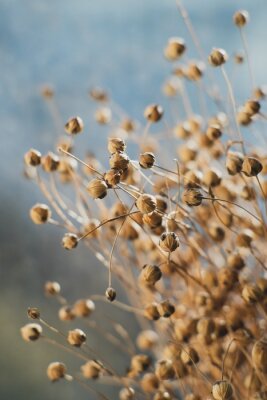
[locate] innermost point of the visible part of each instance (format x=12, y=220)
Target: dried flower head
x=70, y=241
x=97, y=188
x=241, y=18
x=74, y=125
x=40, y=213
x=31, y=332
x=153, y=113
x=56, y=370
x=32, y=158
x=217, y=57
x=76, y=337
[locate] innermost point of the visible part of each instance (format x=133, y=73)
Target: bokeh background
x=74, y=45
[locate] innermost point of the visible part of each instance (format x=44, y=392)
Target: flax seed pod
x=76, y=337
x=98, y=94
x=216, y=232
x=69, y=241
x=32, y=158
x=212, y=178
x=40, y=213
x=149, y=382
x=188, y=152
x=90, y=225
x=91, y=370
x=189, y=356
x=169, y=242
x=166, y=309
x=103, y=115
x=112, y=178
x=192, y=179
x=251, y=166
x=260, y=92
x=222, y=390
x=146, y=203
x=161, y=204
x=162, y=395
x=235, y=261
x=241, y=18
x=129, y=231
x=116, y=145
x=262, y=285
x=183, y=131
x=97, y=188
x=252, y=107
x=153, y=220
x=50, y=162
x=146, y=160
x=127, y=125
x=153, y=113
x=259, y=356
x=243, y=118
x=150, y=274
x=169, y=89
x=234, y=162
x=227, y=278
x=147, y=340
x=151, y=312
x=195, y=70
x=127, y=393
x=31, y=332
x=33, y=313
x=56, y=371
x=214, y=132
x=251, y=294
x=83, y=308
x=74, y=126
x=217, y=57
x=239, y=58
x=164, y=370
x=119, y=161
x=110, y=294
x=245, y=238
x=140, y=363
x=248, y=193
x=192, y=197
x=192, y=396
x=206, y=326
x=175, y=48
x=65, y=313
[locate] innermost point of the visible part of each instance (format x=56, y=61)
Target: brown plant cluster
x=181, y=223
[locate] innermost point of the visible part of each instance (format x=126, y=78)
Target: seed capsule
x=111, y=294
x=149, y=382
x=116, y=145
x=146, y=160
x=252, y=107
x=164, y=370
x=140, y=363
x=50, y=162
x=251, y=166
x=212, y=178
x=245, y=238
x=222, y=390
x=56, y=371
x=150, y=274
x=162, y=395
x=241, y=18
x=76, y=337
x=74, y=126
x=97, y=188
x=112, y=177
x=32, y=158
x=251, y=294
x=98, y=94
x=169, y=241
x=146, y=203
x=195, y=70
x=235, y=261
x=259, y=355
x=65, y=313
x=214, y=132
x=119, y=161
x=151, y=312
x=103, y=115
x=31, y=332
x=217, y=57
x=192, y=197
x=33, y=313
x=146, y=340
x=166, y=309
x=234, y=162
x=189, y=356
x=70, y=241
x=175, y=48
x=83, y=308
x=40, y=213
x=153, y=112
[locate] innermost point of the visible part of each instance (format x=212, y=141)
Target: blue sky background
x=74, y=45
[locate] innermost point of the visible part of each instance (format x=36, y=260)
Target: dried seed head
x=146, y=203
x=153, y=220
x=33, y=313
x=162, y=395
x=127, y=393
x=50, y=162
x=189, y=356
x=169, y=241
x=166, y=309
x=119, y=161
x=217, y=57
x=151, y=312
x=111, y=294
x=248, y=193
x=234, y=161
x=74, y=125
x=76, y=337
x=222, y=390
x=252, y=107
x=188, y=152
x=192, y=396
x=262, y=285
x=31, y=332
x=69, y=241
x=52, y=288
x=112, y=177
x=241, y=18
x=214, y=131
x=103, y=115
x=227, y=278
x=146, y=340
x=116, y=145
x=32, y=158
x=260, y=93
x=56, y=371
x=175, y=48
x=97, y=188
x=40, y=213
x=212, y=178
x=153, y=112
x=149, y=382
x=243, y=118
x=251, y=294
x=251, y=166
x=83, y=308
x=192, y=179
x=235, y=261
x=170, y=89
x=150, y=274
x=192, y=197
x=239, y=58
x=206, y=326
x=91, y=370
x=161, y=203
x=47, y=92
x=164, y=370
x=98, y=94
x=195, y=70
x=259, y=355
x=91, y=224
x=128, y=125
x=216, y=232
x=65, y=313
x=244, y=239
x=146, y=160
x=140, y=363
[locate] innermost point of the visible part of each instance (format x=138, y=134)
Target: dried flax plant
x=184, y=233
